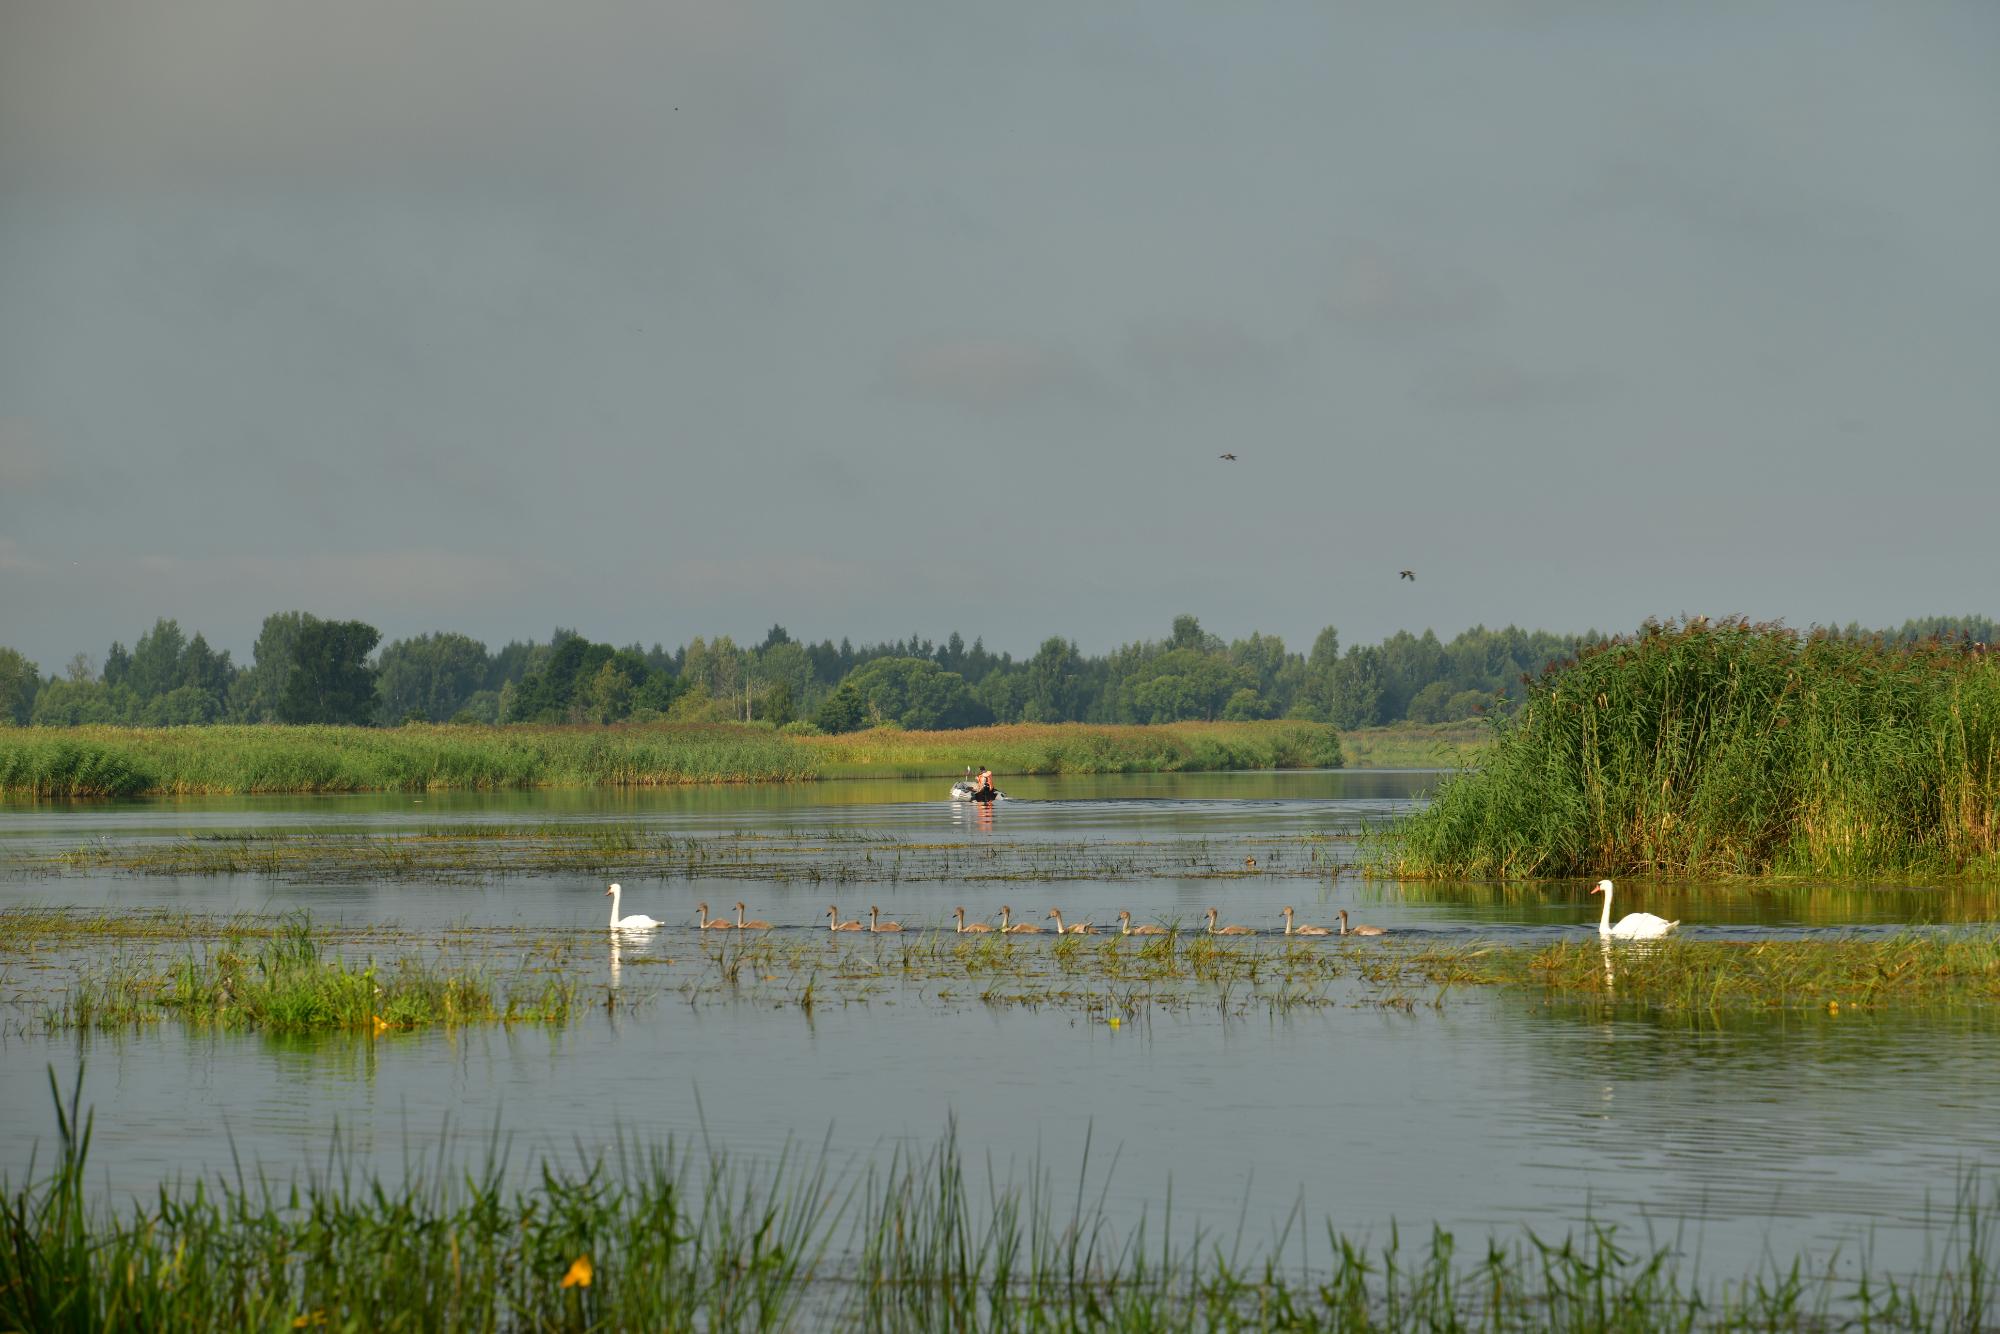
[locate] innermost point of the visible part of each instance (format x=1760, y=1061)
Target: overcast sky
x=662, y=319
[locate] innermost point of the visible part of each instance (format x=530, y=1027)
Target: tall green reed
x=1730, y=748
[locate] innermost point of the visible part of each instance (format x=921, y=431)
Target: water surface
x=1734, y=1135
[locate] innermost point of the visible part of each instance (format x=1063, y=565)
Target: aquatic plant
x=677, y=1237
x=1730, y=749
x=293, y=984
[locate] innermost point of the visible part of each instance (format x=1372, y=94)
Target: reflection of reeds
x=634, y=851
x=1731, y=749
x=1731, y=901
x=1943, y=968
x=678, y=1238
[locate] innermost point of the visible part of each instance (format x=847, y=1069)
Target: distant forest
x=307, y=670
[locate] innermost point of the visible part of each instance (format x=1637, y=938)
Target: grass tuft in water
x=290, y=983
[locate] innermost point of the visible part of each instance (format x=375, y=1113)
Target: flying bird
x=1410, y=575
x=1230, y=457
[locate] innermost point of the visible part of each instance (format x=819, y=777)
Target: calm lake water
x=1737, y=1135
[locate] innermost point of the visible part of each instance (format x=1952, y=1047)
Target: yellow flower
x=381, y=1025
x=579, y=1274
x=311, y=1318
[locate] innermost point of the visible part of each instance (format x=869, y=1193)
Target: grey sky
x=674, y=319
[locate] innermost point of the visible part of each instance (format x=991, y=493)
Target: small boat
x=963, y=790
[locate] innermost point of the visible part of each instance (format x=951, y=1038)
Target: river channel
x=1846, y=1137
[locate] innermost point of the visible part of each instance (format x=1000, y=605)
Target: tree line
x=307, y=670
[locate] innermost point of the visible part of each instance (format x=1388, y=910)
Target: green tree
x=156, y=660
x=1315, y=693
x=607, y=695
x=258, y=691
x=1183, y=684
x=777, y=705
x=183, y=706
x=1356, y=696
x=842, y=711
x=918, y=694
x=432, y=675
x=20, y=682
x=79, y=703
x=330, y=680
x=1055, y=683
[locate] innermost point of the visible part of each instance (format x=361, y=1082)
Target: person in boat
x=982, y=786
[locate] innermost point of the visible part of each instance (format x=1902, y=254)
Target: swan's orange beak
x=1597, y=889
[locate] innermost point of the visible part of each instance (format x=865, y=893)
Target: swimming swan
x=636, y=922
x=1632, y=926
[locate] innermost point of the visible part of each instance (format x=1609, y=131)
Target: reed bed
x=1408, y=745
x=1080, y=748
x=216, y=761
x=1731, y=749
x=679, y=1238
x=44, y=763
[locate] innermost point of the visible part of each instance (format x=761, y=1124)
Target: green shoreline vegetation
x=86, y=762
x=1730, y=749
x=682, y=1238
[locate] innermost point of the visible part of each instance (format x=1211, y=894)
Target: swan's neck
x=614, y=907
x=1059, y=925
x=1288, y=924
x=1604, y=922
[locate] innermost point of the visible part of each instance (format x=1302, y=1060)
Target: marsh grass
x=44, y=763
x=1730, y=749
x=293, y=983
x=1950, y=968
x=1080, y=748
x=1407, y=745
x=283, y=975
x=679, y=1238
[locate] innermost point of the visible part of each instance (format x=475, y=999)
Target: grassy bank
x=1731, y=749
x=193, y=761
x=1079, y=748
x=1416, y=745
x=218, y=761
x=666, y=1239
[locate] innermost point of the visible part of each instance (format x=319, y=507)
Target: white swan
x=1632, y=926
x=636, y=922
